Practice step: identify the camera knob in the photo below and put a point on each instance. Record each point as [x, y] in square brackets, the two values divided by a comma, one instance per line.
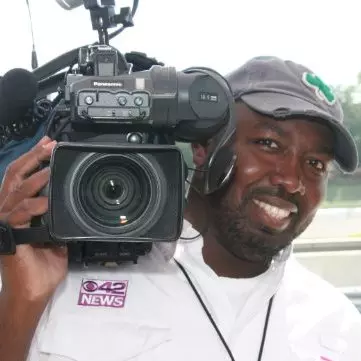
[89, 100]
[138, 101]
[122, 100]
[134, 138]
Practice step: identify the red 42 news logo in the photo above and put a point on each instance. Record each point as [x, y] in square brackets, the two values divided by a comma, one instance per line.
[100, 293]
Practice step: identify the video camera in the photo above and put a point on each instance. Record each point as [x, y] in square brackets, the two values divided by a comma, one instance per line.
[117, 177]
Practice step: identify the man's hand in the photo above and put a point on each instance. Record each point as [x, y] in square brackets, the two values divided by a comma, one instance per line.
[29, 277]
[34, 272]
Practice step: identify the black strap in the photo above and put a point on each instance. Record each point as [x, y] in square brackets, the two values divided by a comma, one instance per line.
[265, 327]
[11, 237]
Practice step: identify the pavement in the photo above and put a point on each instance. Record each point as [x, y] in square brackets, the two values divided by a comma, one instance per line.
[331, 247]
[335, 223]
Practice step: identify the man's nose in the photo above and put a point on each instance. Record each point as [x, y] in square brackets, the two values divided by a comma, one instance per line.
[288, 174]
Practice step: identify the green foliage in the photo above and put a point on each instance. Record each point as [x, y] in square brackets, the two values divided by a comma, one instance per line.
[350, 98]
[345, 190]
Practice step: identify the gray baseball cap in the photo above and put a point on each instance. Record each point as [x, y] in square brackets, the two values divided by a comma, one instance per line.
[283, 89]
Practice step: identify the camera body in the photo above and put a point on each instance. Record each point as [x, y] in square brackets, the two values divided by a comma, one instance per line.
[117, 177]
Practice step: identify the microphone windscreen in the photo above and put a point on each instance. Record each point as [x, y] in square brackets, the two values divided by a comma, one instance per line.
[18, 90]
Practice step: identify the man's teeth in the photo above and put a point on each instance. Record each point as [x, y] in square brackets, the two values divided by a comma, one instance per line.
[273, 211]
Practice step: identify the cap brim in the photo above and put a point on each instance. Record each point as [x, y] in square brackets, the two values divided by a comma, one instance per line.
[284, 106]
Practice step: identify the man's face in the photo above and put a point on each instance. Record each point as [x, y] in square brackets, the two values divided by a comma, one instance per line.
[278, 184]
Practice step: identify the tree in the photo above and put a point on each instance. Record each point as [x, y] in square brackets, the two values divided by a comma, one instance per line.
[345, 189]
[350, 98]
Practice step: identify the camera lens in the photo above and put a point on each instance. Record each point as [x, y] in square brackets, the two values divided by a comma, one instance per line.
[117, 193]
[112, 190]
[114, 193]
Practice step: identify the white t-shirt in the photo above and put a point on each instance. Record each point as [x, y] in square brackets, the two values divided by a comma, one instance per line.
[149, 312]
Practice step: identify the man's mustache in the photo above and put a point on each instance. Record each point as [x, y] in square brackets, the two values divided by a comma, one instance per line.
[279, 192]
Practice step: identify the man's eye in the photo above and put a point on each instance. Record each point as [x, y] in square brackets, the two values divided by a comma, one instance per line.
[317, 164]
[268, 143]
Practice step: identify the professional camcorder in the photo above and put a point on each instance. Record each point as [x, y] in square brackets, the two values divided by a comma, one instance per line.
[117, 177]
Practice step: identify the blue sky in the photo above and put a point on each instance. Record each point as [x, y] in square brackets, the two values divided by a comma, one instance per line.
[323, 35]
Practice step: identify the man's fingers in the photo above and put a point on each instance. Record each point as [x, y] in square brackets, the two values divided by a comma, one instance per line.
[32, 155]
[28, 162]
[33, 159]
[30, 207]
[24, 165]
[27, 189]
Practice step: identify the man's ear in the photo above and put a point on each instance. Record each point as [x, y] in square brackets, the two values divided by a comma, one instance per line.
[199, 154]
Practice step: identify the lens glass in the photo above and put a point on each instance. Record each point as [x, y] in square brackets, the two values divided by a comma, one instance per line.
[114, 192]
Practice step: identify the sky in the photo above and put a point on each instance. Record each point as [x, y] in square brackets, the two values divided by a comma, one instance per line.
[323, 35]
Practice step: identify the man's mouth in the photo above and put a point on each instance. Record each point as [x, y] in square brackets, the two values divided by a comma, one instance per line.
[274, 212]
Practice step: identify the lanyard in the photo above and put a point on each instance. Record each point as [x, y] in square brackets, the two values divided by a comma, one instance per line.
[264, 333]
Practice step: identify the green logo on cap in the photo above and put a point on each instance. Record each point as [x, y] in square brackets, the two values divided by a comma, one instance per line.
[323, 91]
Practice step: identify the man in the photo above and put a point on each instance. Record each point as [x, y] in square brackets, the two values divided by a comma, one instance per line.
[234, 293]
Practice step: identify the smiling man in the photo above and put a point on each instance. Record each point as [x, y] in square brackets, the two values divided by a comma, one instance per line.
[278, 184]
[289, 133]
[232, 290]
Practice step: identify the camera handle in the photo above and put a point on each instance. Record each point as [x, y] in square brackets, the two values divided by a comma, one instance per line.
[12, 237]
[103, 17]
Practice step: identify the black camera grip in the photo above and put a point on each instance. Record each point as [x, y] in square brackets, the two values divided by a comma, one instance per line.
[11, 237]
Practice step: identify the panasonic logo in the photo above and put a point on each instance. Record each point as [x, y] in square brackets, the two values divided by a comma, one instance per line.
[107, 84]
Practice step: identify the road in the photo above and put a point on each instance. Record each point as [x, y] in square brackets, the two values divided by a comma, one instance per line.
[330, 248]
[335, 223]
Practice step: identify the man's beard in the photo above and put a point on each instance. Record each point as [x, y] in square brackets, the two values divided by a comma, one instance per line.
[241, 237]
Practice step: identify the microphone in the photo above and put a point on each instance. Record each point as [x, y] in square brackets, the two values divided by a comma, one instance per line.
[18, 90]
[70, 4]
